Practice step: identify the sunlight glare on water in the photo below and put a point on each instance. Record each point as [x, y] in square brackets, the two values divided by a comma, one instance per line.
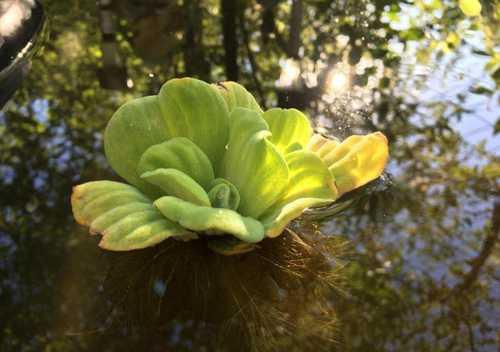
[337, 81]
[290, 71]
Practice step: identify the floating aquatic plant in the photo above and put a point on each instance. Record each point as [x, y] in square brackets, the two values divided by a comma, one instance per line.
[205, 160]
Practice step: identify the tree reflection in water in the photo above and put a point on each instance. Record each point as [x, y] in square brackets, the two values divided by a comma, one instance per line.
[420, 270]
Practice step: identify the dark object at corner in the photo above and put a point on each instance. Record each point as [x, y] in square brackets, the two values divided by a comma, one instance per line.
[21, 25]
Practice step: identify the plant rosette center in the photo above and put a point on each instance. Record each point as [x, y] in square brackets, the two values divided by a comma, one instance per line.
[205, 160]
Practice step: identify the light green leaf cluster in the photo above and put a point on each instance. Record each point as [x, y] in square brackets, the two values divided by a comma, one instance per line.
[205, 160]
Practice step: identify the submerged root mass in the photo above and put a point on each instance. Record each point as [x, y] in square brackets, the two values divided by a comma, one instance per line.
[277, 297]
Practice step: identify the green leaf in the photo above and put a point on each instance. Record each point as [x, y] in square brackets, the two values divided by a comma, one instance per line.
[211, 221]
[181, 154]
[470, 7]
[236, 95]
[124, 216]
[311, 184]
[223, 194]
[135, 127]
[253, 164]
[192, 109]
[289, 127]
[176, 183]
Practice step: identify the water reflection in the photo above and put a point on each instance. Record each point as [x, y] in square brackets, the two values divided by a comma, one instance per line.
[421, 269]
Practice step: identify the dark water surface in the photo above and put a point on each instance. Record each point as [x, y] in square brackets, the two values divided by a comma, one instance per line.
[416, 260]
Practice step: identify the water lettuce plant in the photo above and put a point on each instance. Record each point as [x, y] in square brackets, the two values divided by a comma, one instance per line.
[205, 161]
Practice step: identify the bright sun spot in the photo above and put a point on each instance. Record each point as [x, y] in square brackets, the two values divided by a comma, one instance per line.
[290, 71]
[336, 81]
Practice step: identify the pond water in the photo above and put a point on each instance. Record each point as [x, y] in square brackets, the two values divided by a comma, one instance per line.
[415, 258]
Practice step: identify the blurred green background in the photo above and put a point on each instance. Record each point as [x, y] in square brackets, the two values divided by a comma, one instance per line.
[421, 272]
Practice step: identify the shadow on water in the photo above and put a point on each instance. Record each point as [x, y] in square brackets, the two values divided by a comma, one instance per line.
[409, 263]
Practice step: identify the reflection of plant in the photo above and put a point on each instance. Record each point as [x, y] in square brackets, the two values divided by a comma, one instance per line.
[206, 160]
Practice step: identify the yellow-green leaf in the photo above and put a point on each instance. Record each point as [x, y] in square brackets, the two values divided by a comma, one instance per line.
[311, 184]
[279, 220]
[176, 183]
[124, 216]
[253, 164]
[193, 109]
[358, 160]
[211, 221]
[323, 147]
[309, 177]
[289, 127]
[181, 154]
[133, 128]
[236, 96]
